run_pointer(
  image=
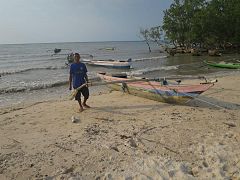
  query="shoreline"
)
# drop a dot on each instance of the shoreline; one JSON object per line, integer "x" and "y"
{"x": 63, "y": 90}
{"x": 123, "y": 136}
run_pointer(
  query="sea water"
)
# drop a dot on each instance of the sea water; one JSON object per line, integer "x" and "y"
{"x": 32, "y": 72}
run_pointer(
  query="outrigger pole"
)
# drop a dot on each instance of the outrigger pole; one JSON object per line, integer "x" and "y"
{"x": 74, "y": 93}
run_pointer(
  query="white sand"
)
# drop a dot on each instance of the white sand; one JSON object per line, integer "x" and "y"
{"x": 124, "y": 137}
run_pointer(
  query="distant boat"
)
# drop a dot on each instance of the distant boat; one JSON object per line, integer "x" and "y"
{"x": 108, "y": 48}
{"x": 155, "y": 90}
{"x": 57, "y": 50}
{"x": 223, "y": 65}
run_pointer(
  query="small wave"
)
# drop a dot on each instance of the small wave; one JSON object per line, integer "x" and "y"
{"x": 37, "y": 55}
{"x": 30, "y": 60}
{"x": 15, "y": 71}
{"x": 32, "y": 86}
{"x": 25, "y": 87}
{"x": 147, "y": 70}
{"x": 149, "y": 58}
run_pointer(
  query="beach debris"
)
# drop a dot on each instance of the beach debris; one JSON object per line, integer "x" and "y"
{"x": 105, "y": 119}
{"x": 68, "y": 170}
{"x": 205, "y": 164}
{"x": 145, "y": 130}
{"x": 195, "y": 171}
{"x": 92, "y": 129}
{"x": 166, "y": 126}
{"x": 125, "y": 136}
{"x": 229, "y": 135}
{"x": 114, "y": 147}
{"x": 74, "y": 119}
{"x": 230, "y": 124}
{"x": 108, "y": 176}
{"x": 132, "y": 143}
{"x": 171, "y": 150}
{"x": 186, "y": 169}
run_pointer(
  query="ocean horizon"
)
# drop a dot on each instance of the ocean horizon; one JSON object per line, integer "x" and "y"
{"x": 26, "y": 43}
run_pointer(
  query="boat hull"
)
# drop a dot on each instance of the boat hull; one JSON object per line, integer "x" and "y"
{"x": 151, "y": 95}
{"x": 155, "y": 91}
{"x": 111, "y": 64}
{"x": 219, "y": 65}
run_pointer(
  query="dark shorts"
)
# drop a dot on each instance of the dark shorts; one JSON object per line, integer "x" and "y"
{"x": 84, "y": 91}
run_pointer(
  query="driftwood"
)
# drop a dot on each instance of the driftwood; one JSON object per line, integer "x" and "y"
{"x": 230, "y": 124}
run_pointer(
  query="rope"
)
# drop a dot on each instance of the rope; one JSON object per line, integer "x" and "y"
{"x": 207, "y": 102}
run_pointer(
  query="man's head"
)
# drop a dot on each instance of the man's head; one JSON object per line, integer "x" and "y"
{"x": 77, "y": 57}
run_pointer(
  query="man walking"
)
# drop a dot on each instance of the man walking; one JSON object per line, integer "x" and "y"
{"x": 78, "y": 76}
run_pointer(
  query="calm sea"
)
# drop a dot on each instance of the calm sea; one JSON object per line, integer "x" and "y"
{"x": 30, "y": 72}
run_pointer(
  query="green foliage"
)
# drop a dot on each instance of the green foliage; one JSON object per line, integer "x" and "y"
{"x": 209, "y": 23}
{"x": 155, "y": 34}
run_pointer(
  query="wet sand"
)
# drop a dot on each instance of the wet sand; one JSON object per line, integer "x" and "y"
{"x": 124, "y": 137}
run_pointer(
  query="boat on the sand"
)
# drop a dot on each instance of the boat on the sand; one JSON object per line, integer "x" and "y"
{"x": 158, "y": 91}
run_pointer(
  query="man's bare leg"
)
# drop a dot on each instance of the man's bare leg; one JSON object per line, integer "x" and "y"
{"x": 80, "y": 105}
{"x": 84, "y": 103}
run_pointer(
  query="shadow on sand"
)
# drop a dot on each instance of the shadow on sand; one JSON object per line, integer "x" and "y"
{"x": 208, "y": 102}
{"x": 145, "y": 108}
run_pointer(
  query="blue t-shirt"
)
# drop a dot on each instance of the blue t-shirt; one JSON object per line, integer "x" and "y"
{"x": 78, "y": 71}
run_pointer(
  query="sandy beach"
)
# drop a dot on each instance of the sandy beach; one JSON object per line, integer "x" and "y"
{"x": 124, "y": 137}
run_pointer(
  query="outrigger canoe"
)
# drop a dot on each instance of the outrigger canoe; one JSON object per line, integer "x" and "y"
{"x": 156, "y": 90}
{"x": 223, "y": 65}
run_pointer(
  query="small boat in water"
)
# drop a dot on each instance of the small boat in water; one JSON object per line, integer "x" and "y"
{"x": 57, "y": 50}
{"x": 158, "y": 91}
{"x": 111, "y": 63}
{"x": 223, "y": 65}
{"x": 108, "y": 48}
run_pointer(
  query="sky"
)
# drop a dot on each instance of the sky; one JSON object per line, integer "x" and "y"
{"x": 43, "y": 21}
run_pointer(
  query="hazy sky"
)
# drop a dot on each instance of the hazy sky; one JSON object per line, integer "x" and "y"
{"x": 27, "y": 21}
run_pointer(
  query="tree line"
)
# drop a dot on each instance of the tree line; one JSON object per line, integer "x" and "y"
{"x": 199, "y": 23}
